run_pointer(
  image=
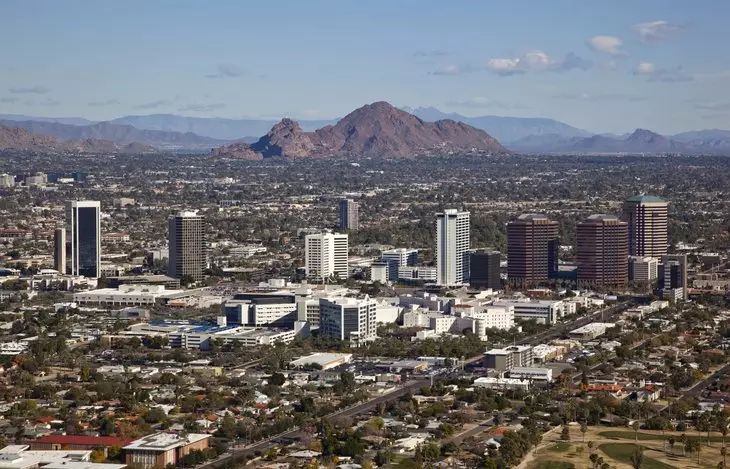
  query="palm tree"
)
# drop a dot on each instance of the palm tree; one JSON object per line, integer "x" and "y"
{"x": 698, "y": 446}
{"x": 683, "y": 442}
{"x": 671, "y": 445}
{"x": 637, "y": 458}
{"x": 636, "y": 425}
{"x": 689, "y": 446}
{"x": 723, "y": 452}
{"x": 583, "y": 430}
{"x": 590, "y": 446}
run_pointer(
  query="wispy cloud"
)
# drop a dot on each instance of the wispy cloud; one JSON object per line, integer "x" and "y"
{"x": 453, "y": 69}
{"x": 9, "y": 100}
{"x": 657, "y": 30}
{"x": 601, "y": 97}
{"x": 481, "y": 102}
{"x": 536, "y": 61}
{"x": 153, "y": 104}
{"x": 656, "y": 74}
{"x": 610, "y": 45}
{"x": 431, "y": 53}
{"x": 198, "y": 107}
{"x": 109, "y": 102}
{"x": 228, "y": 71}
{"x": 29, "y": 90}
{"x": 713, "y": 106}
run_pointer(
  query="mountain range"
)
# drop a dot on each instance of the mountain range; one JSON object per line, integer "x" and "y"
{"x": 531, "y": 135}
{"x": 374, "y": 130}
{"x": 21, "y": 139}
{"x": 708, "y": 142}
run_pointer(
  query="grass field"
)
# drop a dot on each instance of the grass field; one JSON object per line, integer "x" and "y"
{"x": 559, "y": 447}
{"x": 622, "y": 452}
{"x": 551, "y": 465}
{"x": 629, "y": 435}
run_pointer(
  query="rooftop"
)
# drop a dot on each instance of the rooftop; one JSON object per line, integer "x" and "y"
{"x": 164, "y": 441}
{"x": 646, "y": 199}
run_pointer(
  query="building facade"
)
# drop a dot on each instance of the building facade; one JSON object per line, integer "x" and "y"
{"x": 85, "y": 233}
{"x": 325, "y": 255}
{"x": 59, "y": 250}
{"x": 532, "y": 249}
{"x": 397, "y": 258}
{"x": 349, "y": 215}
{"x": 186, "y": 237}
{"x": 673, "y": 276}
{"x": 348, "y": 319}
{"x": 643, "y": 269}
{"x": 603, "y": 251}
{"x": 452, "y": 244}
{"x": 647, "y": 218}
{"x": 484, "y": 269}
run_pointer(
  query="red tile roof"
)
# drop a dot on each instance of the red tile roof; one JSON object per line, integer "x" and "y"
{"x": 101, "y": 441}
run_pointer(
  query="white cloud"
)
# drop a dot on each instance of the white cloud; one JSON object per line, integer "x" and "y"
{"x": 453, "y": 69}
{"x": 228, "y": 71}
{"x": 656, "y": 30}
{"x": 610, "y": 45}
{"x": 29, "y": 90}
{"x": 662, "y": 75}
{"x": 536, "y": 61}
{"x": 713, "y": 106}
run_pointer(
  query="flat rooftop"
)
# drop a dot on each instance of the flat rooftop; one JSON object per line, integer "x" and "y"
{"x": 165, "y": 441}
{"x": 321, "y": 358}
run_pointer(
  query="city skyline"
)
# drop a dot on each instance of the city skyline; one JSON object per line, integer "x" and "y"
{"x": 605, "y": 68}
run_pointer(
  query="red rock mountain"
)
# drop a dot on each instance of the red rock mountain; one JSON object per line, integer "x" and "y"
{"x": 21, "y": 139}
{"x": 377, "y": 129}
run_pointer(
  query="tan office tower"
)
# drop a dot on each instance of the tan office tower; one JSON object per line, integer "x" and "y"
{"x": 647, "y": 219}
{"x": 603, "y": 251}
{"x": 186, "y": 237}
{"x": 532, "y": 249}
{"x": 59, "y": 250}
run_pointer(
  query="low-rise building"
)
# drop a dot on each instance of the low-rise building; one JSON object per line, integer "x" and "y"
{"x": 158, "y": 450}
{"x": 591, "y": 331}
{"x": 509, "y": 357}
{"x": 533, "y": 373}
{"x": 489, "y": 382}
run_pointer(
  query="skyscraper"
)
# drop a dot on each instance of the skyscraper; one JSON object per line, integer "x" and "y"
{"x": 532, "y": 249}
{"x": 84, "y": 222}
{"x": 603, "y": 251}
{"x": 349, "y": 215}
{"x": 484, "y": 269}
{"x": 186, "y": 237}
{"x": 647, "y": 219}
{"x": 673, "y": 276}
{"x": 59, "y": 250}
{"x": 326, "y": 254}
{"x": 452, "y": 244}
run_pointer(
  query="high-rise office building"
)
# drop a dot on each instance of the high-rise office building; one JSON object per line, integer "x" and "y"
{"x": 647, "y": 218}
{"x": 452, "y": 244}
{"x": 484, "y": 269}
{"x": 603, "y": 251}
{"x": 349, "y": 319}
{"x": 397, "y": 258}
{"x": 59, "y": 250}
{"x": 188, "y": 249}
{"x": 325, "y": 255}
{"x": 643, "y": 269}
{"x": 672, "y": 274}
{"x": 532, "y": 249}
{"x": 349, "y": 215}
{"x": 84, "y": 220}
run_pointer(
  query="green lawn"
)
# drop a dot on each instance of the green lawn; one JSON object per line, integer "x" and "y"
{"x": 622, "y": 452}
{"x": 551, "y": 465}
{"x": 629, "y": 435}
{"x": 560, "y": 447}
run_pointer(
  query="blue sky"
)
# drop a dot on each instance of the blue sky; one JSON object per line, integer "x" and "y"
{"x": 603, "y": 66}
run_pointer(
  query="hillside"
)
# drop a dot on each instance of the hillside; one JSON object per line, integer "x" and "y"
{"x": 22, "y": 140}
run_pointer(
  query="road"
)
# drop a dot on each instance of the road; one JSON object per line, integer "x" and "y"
{"x": 262, "y": 446}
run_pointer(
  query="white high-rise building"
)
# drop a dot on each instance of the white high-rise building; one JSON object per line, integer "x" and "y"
{"x": 84, "y": 220}
{"x": 452, "y": 244}
{"x": 397, "y": 258}
{"x": 349, "y": 319}
{"x": 325, "y": 254}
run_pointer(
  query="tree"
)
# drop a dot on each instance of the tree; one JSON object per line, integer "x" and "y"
{"x": 583, "y": 430}
{"x": 671, "y": 445}
{"x": 723, "y": 452}
{"x": 594, "y": 459}
{"x": 590, "y": 446}
{"x": 565, "y": 433}
{"x": 637, "y": 458}
{"x": 636, "y": 426}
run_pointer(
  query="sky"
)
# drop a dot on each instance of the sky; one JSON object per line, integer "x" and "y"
{"x": 603, "y": 66}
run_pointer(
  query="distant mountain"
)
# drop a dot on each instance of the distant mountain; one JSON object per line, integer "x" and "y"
{"x": 378, "y": 130}
{"x": 708, "y": 134}
{"x": 20, "y": 139}
{"x": 213, "y": 127}
{"x": 58, "y": 120}
{"x": 641, "y": 141}
{"x": 120, "y": 134}
{"x": 505, "y": 129}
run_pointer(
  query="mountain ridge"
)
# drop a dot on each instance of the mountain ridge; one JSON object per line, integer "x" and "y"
{"x": 16, "y": 138}
{"x": 374, "y": 130}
